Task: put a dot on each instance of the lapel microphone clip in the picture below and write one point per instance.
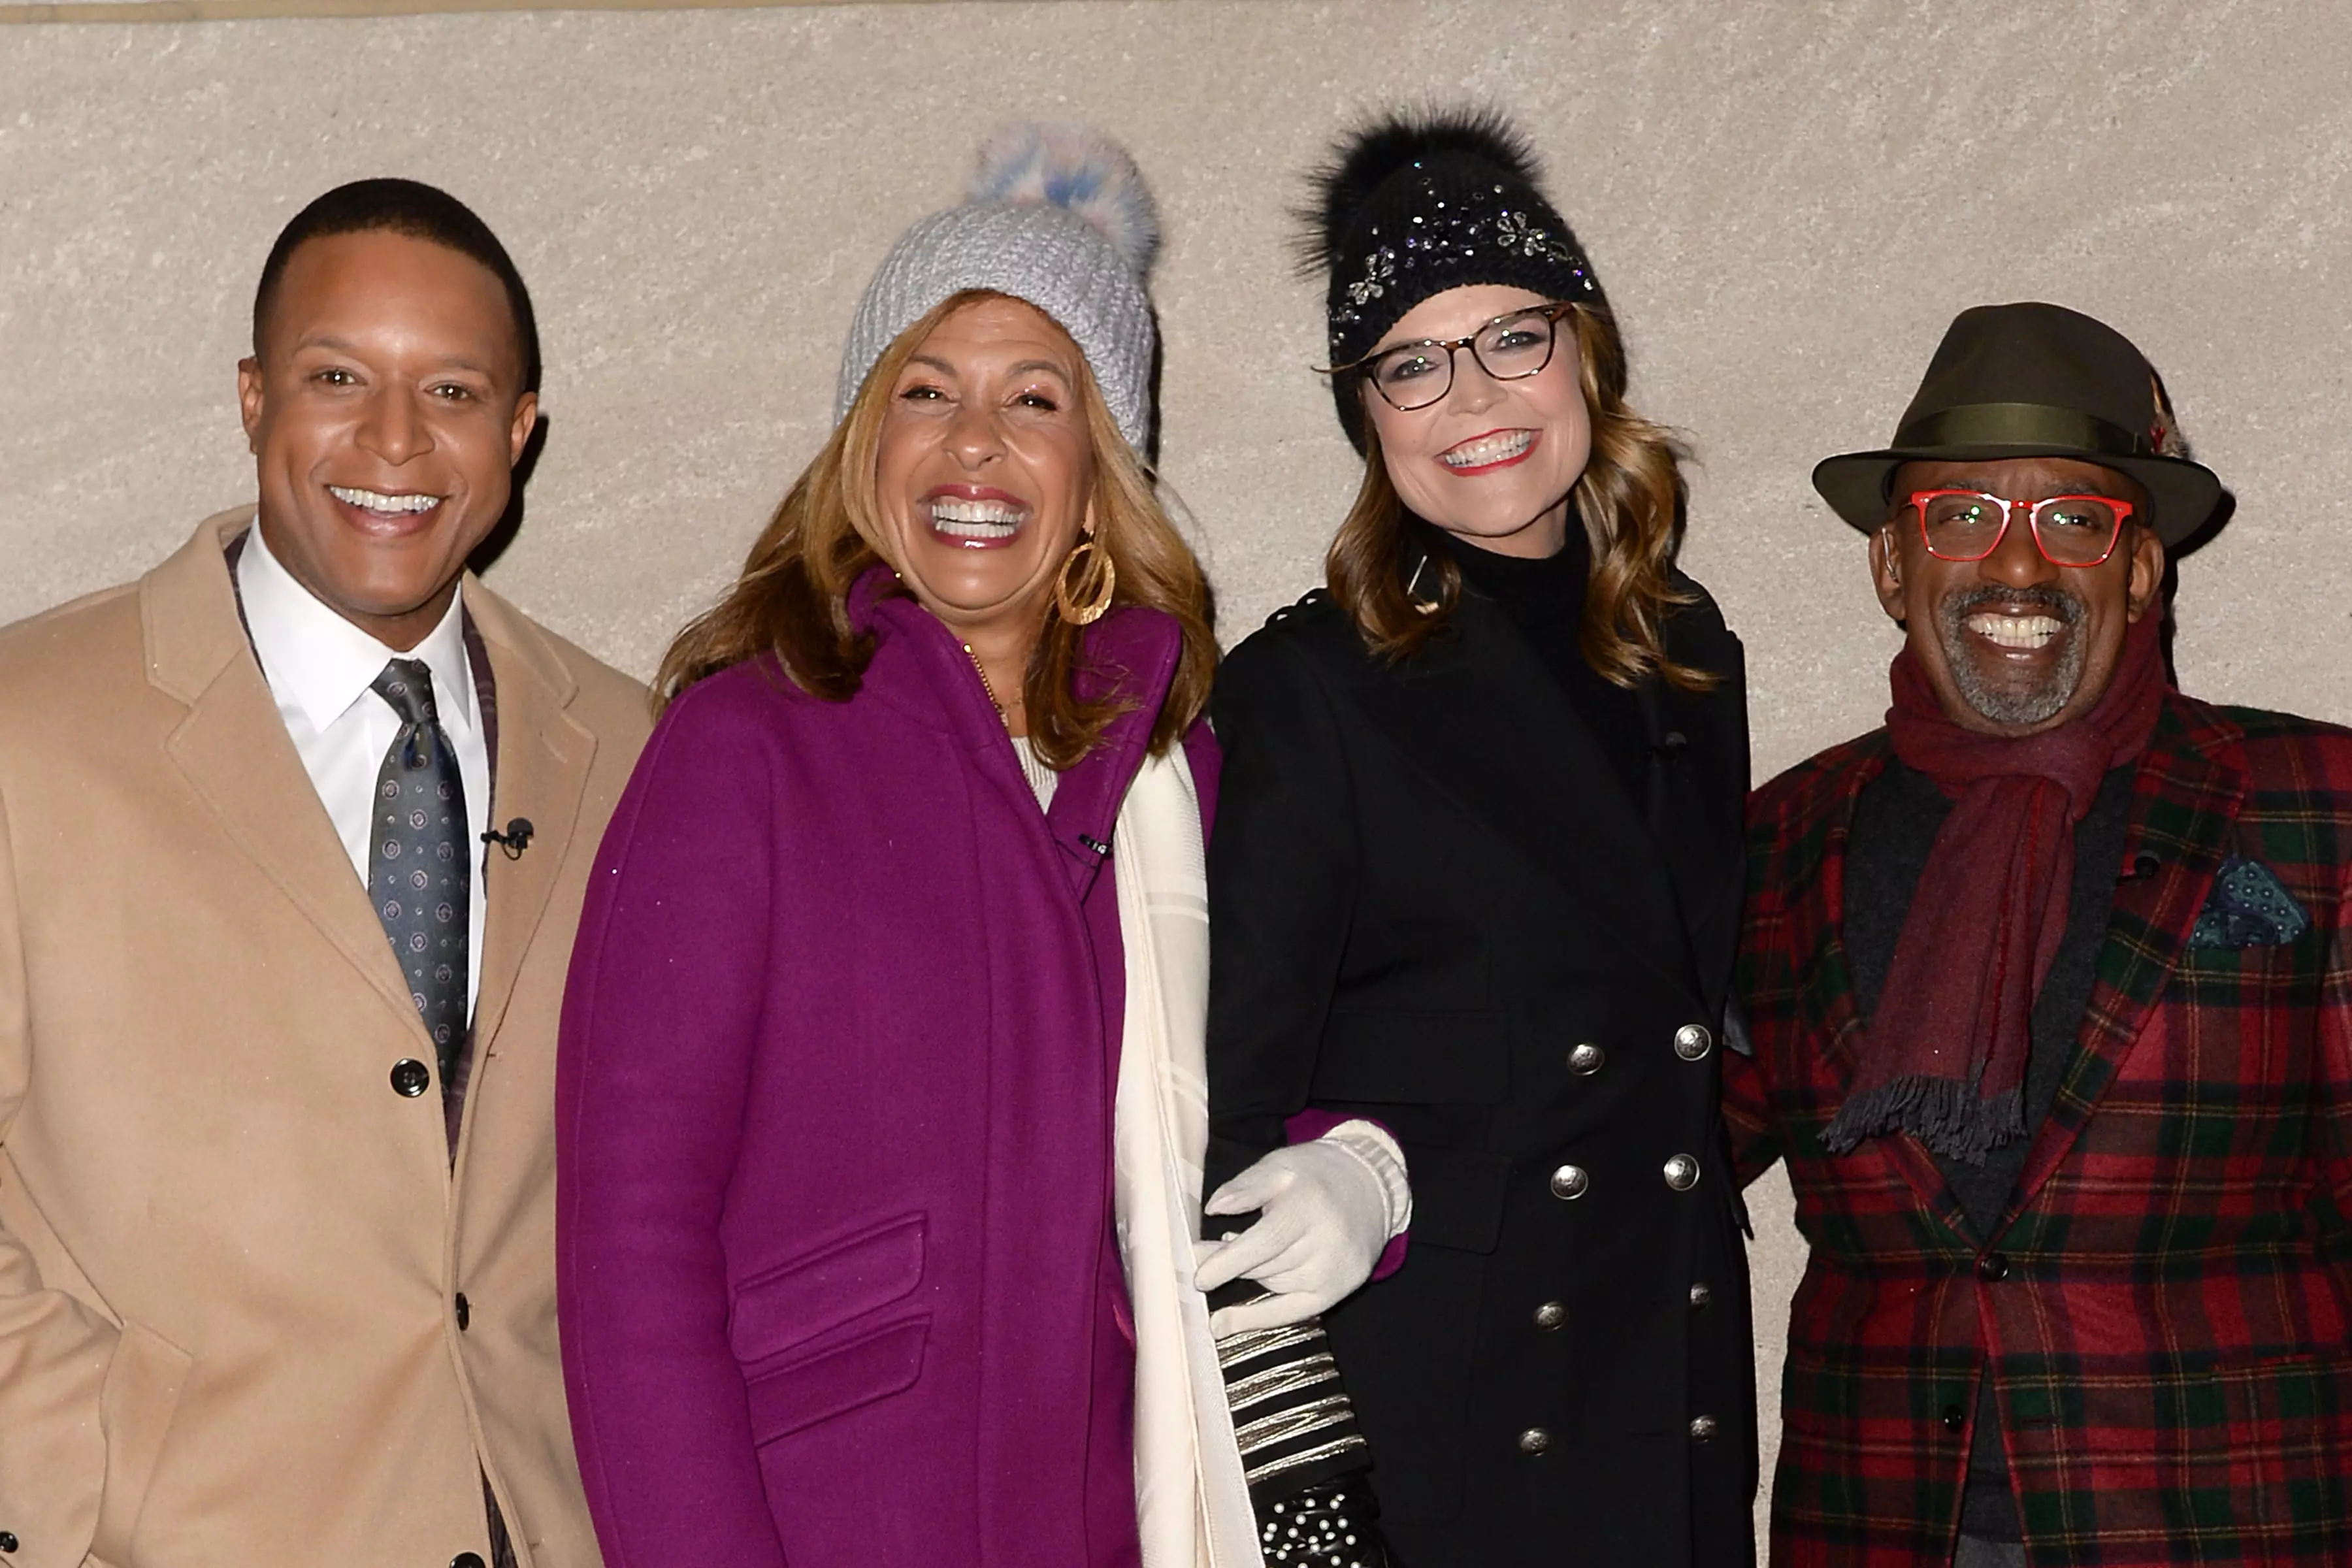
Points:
(514, 840)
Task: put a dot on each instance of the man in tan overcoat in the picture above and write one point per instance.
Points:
(294, 832)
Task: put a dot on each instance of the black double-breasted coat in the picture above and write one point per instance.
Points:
(1433, 903)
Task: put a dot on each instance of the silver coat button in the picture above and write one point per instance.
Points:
(1570, 1181)
(1534, 1440)
(1550, 1315)
(1704, 1427)
(1702, 1296)
(1693, 1041)
(1682, 1172)
(1586, 1060)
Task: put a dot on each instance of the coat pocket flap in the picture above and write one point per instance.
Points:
(1456, 1056)
(817, 1292)
(835, 1382)
(1457, 1197)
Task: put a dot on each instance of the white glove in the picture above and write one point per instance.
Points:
(1327, 1209)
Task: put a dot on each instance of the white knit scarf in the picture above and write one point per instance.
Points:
(1193, 1506)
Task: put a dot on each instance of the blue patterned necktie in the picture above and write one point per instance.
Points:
(418, 870)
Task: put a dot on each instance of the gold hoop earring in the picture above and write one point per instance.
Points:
(1098, 604)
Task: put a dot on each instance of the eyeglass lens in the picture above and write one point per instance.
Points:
(2072, 530)
(1509, 348)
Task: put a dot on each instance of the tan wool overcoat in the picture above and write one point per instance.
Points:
(232, 1253)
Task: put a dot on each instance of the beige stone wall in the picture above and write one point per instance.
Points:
(1786, 203)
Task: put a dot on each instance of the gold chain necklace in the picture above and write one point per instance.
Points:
(990, 687)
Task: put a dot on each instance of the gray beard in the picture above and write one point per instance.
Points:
(2006, 704)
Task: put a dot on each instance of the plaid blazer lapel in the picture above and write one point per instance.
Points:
(1825, 981)
(1816, 905)
(2185, 801)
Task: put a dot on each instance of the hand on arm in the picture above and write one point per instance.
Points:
(1327, 1209)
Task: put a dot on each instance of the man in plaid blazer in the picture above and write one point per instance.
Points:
(2050, 994)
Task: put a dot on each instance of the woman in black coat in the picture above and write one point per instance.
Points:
(1476, 880)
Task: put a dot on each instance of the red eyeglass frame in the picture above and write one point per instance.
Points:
(2124, 511)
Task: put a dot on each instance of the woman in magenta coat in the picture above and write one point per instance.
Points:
(840, 1276)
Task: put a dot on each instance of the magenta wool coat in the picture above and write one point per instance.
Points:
(837, 1276)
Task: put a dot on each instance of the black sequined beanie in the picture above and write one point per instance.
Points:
(1413, 205)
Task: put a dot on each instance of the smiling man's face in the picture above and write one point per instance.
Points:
(2012, 644)
(386, 410)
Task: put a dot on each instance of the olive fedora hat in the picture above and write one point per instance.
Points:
(2034, 381)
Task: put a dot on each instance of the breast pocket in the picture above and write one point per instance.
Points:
(797, 1329)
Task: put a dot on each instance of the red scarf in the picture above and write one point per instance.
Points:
(1945, 1060)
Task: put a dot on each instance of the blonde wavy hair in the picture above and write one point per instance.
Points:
(791, 599)
(1631, 497)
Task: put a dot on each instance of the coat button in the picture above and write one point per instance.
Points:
(1570, 1181)
(1534, 1440)
(467, 1560)
(1704, 1428)
(1693, 1041)
(411, 1077)
(1682, 1172)
(7, 1540)
(464, 1312)
(1702, 1296)
(1550, 1315)
(1586, 1060)
(1954, 1418)
(1992, 1268)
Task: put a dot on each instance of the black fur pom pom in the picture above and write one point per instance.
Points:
(1361, 160)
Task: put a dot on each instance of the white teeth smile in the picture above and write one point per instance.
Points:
(976, 518)
(375, 501)
(1501, 447)
(2015, 631)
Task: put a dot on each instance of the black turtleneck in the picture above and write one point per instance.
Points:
(1545, 599)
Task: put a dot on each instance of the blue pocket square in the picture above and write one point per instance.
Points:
(2249, 907)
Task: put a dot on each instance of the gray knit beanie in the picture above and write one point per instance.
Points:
(1056, 215)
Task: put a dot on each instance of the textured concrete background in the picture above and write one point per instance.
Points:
(1785, 202)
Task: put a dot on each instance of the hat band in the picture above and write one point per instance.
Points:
(2061, 430)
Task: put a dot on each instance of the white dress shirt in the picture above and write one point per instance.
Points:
(320, 668)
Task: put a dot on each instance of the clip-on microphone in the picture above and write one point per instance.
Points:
(514, 840)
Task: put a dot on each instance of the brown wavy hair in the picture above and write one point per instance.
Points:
(792, 597)
(1630, 497)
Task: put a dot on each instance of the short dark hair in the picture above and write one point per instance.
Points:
(418, 211)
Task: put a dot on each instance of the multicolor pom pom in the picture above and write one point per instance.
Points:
(1067, 164)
